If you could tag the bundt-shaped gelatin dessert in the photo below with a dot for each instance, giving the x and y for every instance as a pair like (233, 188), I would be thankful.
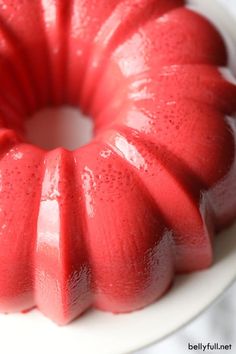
(109, 224)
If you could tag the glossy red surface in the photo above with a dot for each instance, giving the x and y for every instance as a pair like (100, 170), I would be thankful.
(108, 225)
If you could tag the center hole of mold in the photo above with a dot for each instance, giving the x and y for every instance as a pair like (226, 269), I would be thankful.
(64, 127)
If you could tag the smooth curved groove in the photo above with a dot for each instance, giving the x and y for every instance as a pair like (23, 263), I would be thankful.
(56, 17)
(12, 93)
(10, 116)
(174, 164)
(12, 77)
(21, 168)
(125, 233)
(64, 31)
(80, 37)
(197, 236)
(40, 76)
(62, 273)
(110, 37)
(24, 77)
(138, 50)
(207, 86)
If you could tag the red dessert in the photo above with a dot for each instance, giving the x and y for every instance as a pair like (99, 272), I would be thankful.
(108, 225)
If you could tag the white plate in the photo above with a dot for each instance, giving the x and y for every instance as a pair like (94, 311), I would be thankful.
(100, 333)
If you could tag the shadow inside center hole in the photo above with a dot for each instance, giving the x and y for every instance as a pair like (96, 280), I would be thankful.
(59, 127)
